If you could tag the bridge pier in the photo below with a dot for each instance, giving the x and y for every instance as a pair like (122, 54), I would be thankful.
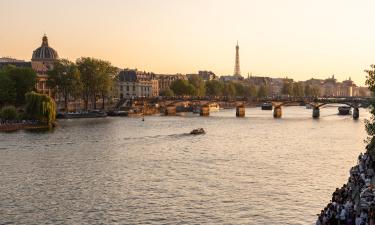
(355, 113)
(170, 111)
(277, 112)
(240, 111)
(205, 110)
(316, 112)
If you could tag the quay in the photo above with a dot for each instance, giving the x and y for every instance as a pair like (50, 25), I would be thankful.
(354, 202)
(10, 127)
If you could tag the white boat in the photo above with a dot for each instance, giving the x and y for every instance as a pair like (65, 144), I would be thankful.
(214, 107)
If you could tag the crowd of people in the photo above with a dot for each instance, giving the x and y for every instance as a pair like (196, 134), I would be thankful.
(354, 202)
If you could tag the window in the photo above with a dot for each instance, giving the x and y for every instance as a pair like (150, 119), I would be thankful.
(127, 88)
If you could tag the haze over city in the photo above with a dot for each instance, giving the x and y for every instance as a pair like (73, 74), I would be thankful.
(298, 39)
(187, 112)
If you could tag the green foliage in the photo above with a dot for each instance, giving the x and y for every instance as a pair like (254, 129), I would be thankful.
(65, 79)
(23, 79)
(229, 89)
(250, 91)
(370, 124)
(7, 89)
(199, 85)
(40, 107)
(214, 88)
(8, 113)
(263, 91)
(315, 92)
(182, 87)
(308, 91)
(96, 77)
(297, 90)
(287, 88)
(167, 92)
(240, 89)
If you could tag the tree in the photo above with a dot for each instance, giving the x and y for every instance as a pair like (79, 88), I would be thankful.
(96, 77)
(8, 113)
(370, 124)
(199, 85)
(65, 79)
(315, 91)
(297, 90)
(107, 74)
(167, 92)
(7, 89)
(250, 91)
(308, 91)
(240, 89)
(24, 80)
(214, 88)
(229, 89)
(287, 88)
(40, 107)
(262, 91)
(182, 87)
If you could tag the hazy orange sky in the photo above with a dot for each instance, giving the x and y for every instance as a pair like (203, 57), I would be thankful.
(295, 38)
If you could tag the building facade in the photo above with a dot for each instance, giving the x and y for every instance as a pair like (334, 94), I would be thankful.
(165, 80)
(133, 83)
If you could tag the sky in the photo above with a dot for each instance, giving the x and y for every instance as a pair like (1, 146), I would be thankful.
(299, 39)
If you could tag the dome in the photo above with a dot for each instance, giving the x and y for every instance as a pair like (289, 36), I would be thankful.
(44, 52)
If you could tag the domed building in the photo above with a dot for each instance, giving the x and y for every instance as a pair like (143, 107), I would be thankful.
(44, 53)
(42, 60)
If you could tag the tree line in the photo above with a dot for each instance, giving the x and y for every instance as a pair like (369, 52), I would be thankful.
(196, 86)
(88, 78)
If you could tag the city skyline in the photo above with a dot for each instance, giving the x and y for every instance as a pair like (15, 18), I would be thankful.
(276, 39)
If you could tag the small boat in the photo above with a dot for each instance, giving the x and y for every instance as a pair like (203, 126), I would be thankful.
(117, 113)
(266, 106)
(214, 107)
(198, 131)
(345, 110)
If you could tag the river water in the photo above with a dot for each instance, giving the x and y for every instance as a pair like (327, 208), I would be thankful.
(252, 170)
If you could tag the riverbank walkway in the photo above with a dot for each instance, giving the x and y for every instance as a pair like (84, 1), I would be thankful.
(354, 202)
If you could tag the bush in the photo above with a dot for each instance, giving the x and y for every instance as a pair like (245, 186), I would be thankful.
(9, 113)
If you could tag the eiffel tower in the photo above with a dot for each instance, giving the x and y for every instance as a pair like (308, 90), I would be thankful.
(237, 71)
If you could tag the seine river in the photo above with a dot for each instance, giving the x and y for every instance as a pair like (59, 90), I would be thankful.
(252, 170)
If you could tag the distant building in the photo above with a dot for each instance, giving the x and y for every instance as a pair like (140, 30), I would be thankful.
(42, 60)
(206, 75)
(165, 80)
(258, 81)
(133, 83)
(228, 78)
(6, 61)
